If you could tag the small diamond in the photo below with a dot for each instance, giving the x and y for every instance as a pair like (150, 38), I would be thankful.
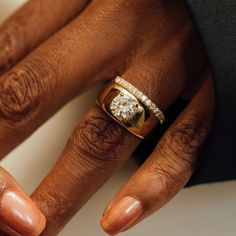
(121, 80)
(129, 87)
(132, 90)
(139, 94)
(152, 106)
(156, 111)
(143, 98)
(124, 82)
(135, 90)
(121, 83)
(148, 102)
(161, 122)
(117, 79)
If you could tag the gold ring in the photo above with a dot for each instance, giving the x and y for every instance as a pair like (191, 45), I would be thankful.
(132, 109)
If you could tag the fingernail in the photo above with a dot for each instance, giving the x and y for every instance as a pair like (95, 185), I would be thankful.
(121, 215)
(21, 214)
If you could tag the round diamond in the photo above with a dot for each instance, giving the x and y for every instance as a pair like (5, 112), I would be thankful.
(124, 107)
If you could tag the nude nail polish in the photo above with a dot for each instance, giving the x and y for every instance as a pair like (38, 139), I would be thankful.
(121, 215)
(21, 214)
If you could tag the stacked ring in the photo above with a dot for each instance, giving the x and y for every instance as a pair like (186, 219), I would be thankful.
(132, 109)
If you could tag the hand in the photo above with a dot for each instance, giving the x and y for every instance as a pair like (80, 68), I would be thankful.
(67, 48)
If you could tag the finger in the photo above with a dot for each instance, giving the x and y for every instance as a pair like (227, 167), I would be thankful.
(66, 64)
(99, 146)
(168, 168)
(18, 214)
(71, 61)
(58, 70)
(31, 25)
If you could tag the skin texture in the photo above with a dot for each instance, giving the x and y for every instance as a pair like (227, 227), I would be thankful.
(153, 45)
(20, 35)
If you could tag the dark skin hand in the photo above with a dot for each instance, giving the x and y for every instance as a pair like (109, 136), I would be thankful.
(52, 51)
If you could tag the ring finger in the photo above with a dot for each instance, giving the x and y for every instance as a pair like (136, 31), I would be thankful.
(167, 169)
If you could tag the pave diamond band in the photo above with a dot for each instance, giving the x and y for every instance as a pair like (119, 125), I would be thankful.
(141, 97)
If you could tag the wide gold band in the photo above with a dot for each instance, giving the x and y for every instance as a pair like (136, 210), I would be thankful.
(125, 108)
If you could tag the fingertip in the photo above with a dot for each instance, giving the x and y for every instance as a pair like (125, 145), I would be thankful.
(106, 228)
(41, 222)
(20, 213)
(121, 215)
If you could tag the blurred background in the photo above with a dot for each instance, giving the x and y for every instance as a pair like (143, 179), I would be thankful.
(207, 210)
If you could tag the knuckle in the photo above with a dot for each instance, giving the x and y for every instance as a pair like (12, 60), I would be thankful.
(19, 95)
(178, 151)
(185, 139)
(169, 176)
(97, 139)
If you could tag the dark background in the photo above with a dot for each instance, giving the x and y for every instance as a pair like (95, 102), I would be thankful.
(216, 23)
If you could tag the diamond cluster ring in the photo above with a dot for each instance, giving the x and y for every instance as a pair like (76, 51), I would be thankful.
(132, 109)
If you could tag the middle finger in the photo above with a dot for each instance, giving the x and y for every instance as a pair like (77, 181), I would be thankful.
(54, 73)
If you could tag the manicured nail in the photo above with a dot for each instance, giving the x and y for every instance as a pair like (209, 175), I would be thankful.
(121, 215)
(20, 213)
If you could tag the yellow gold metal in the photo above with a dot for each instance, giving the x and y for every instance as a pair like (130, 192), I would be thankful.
(140, 124)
